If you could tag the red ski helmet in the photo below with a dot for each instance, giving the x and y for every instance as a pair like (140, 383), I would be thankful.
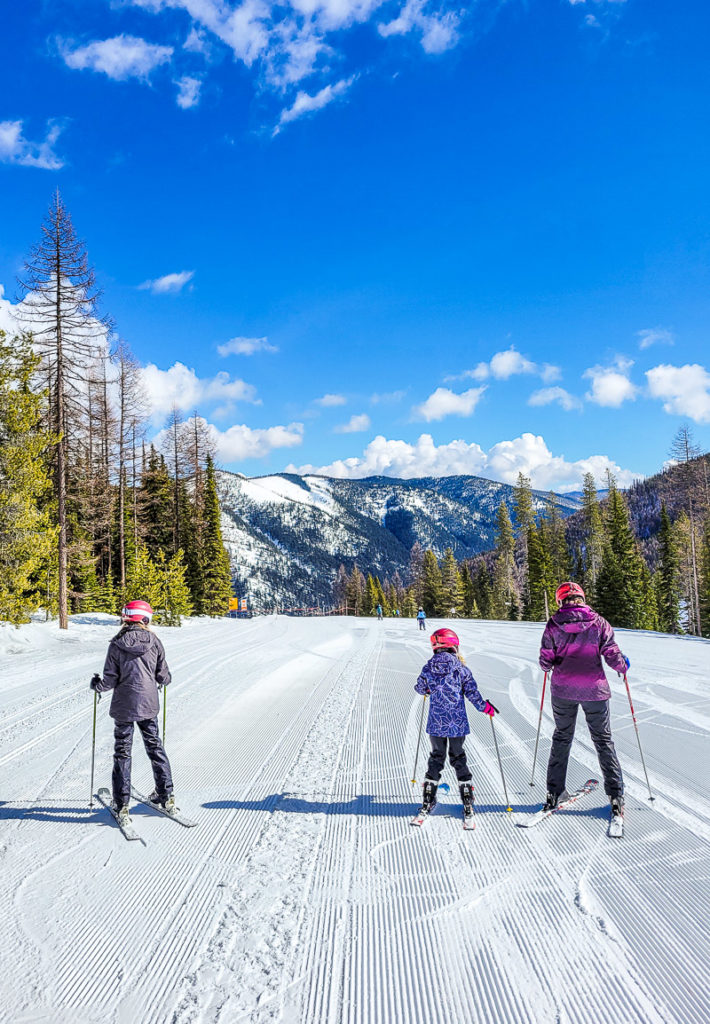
(137, 611)
(443, 638)
(568, 589)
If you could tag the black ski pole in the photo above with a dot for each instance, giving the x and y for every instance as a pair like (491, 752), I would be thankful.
(539, 723)
(93, 753)
(165, 709)
(638, 738)
(419, 740)
(500, 763)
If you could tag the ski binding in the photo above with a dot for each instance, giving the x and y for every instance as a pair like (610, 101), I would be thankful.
(534, 819)
(104, 797)
(176, 814)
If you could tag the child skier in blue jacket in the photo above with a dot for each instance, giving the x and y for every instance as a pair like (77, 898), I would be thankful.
(446, 680)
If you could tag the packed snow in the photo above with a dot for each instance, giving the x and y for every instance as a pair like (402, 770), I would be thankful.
(304, 895)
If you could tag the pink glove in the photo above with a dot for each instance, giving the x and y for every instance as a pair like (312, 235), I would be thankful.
(490, 709)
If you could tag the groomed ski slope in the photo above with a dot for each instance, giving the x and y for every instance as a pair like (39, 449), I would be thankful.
(304, 895)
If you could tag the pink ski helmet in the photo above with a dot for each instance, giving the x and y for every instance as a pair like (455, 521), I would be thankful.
(568, 589)
(442, 638)
(137, 611)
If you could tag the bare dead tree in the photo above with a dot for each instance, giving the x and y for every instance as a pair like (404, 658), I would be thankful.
(131, 403)
(684, 451)
(60, 310)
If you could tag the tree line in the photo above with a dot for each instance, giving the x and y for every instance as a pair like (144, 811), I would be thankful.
(662, 586)
(91, 515)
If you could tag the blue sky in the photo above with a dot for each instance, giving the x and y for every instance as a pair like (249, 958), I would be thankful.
(408, 237)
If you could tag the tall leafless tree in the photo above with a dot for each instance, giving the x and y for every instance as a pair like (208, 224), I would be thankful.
(60, 309)
(131, 409)
(684, 451)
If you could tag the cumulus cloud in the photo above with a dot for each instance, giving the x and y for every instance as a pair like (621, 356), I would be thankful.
(528, 454)
(685, 390)
(611, 386)
(550, 396)
(16, 149)
(170, 284)
(246, 347)
(240, 442)
(180, 386)
(510, 363)
(356, 424)
(120, 58)
(444, 402)
(655, 336)
(189, 89)
(307, 104)
(438, 30)
(329, 401)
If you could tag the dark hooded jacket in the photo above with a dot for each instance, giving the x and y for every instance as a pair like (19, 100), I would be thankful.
(135, 665)
(575, 640)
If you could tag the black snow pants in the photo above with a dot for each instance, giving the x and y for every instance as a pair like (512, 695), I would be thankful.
(121, 778)
(457, 757)
(598, 720)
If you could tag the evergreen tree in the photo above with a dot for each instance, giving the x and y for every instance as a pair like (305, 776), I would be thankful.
(503, 589)
(483, 590)
(27, 538)
(416, 570)
(593, 536)
(705, 579)
(669, 576)
(409, 604)
(356, 592)
(524, 512)
(431, 586)
(558, 552)
(340, 587)
(156, 504)
(452, 591)
(371, 596)
(470, 608)
(538, 576)
(175, 598)
(217, 574)
(620, 575)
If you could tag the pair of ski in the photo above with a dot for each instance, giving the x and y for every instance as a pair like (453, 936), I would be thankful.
(616, 824)
(469, 822)
(127, 827)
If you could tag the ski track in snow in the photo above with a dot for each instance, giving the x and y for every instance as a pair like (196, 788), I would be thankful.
(304, 895)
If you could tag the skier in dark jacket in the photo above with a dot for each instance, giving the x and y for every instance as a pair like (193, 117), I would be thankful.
(134, 669)
(575, 640)
(446, 680)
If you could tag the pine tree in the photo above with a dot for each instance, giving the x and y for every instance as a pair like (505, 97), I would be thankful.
(620, 575)
(452, 591)
(371, 596)
(340, 587)
(356, 592)
(705, 579)
(538, 576)
(558, 552)
(156, 504)
(483, 590)
(669, 576)
(524, 512)
(27, 537)
(593, 536)
(176, 601)
(431, 586)
(503, 590)
(470, 608)
(217, 574)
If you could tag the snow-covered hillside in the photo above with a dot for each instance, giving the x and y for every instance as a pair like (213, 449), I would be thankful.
(304, 895)
(288, 534)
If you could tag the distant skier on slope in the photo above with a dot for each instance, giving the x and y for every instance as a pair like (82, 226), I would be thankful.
(379, 612)
(573, 644)
(134, 669)
(447, 680)
(421, 618)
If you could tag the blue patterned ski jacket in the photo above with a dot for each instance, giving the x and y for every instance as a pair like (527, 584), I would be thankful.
(447, 681)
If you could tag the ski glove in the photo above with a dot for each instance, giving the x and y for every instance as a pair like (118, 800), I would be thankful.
(628, 663)
(95, 682)
(490, 709)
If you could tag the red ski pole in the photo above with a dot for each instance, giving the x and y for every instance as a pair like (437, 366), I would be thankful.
(539, 723)
(638, 738)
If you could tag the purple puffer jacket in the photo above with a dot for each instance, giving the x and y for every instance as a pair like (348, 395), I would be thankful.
(573, 644)
(448, 681)
(135, 664)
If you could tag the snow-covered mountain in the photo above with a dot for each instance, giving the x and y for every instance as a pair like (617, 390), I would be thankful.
(288, 534)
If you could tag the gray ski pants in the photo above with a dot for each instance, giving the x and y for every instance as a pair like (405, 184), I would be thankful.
(123, 742)
(598, 720)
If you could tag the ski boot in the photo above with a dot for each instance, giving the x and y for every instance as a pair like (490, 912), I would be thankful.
(123, 814)
(617, 806)
(166, 802)
(466, 791)
(429, 796)
(553, 799)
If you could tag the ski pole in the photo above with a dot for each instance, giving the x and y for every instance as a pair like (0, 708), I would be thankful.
(539, 723)
(500, 763)
(165, 709)
(638, 738)
(419, 740)
(93, 752)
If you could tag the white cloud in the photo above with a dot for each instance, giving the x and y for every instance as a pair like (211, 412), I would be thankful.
(16, 149)
(528, 454)
(246, 347)
(356, 424)
(684, 389)
(329, 401)
(387, 397)
(306, 104)
(180, 386)
(444, 402)
(120, 58)
(548, 396)
(170, 284)
(188, 92)
(242, 442)
(655, 336)
(438, 29)
(611, 386)
(510, 363)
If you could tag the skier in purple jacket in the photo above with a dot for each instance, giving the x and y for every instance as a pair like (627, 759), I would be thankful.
(135, 667)
(575, 640)
(447, 680)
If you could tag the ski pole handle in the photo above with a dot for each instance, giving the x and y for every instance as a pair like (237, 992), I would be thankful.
(539, 723)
